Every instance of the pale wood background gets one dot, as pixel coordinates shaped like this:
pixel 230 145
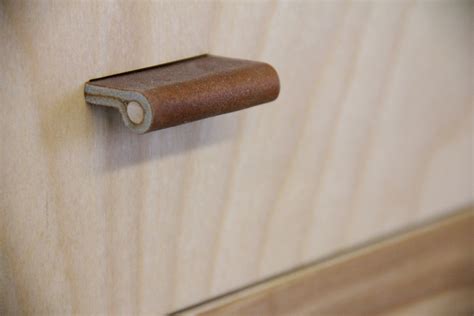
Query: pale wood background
pixel 372 132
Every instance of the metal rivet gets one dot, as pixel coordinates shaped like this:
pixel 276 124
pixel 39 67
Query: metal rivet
pixel 135 112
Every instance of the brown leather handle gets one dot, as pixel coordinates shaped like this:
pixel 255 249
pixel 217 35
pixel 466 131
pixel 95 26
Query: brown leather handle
pixel 184 91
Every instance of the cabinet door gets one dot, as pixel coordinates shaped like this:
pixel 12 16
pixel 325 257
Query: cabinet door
pixel 372 132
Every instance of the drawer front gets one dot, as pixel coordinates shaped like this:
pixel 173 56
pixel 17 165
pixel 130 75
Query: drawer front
pixel 371 133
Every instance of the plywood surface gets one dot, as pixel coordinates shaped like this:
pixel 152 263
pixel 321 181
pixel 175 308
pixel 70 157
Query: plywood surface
pixel 372 132
pixel 427 271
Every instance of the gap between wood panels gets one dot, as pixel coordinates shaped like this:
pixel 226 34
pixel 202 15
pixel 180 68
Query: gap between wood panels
pixel 426 269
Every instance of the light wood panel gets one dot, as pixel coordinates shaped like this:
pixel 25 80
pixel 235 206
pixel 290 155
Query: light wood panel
pixel 372 132
pixel 428 271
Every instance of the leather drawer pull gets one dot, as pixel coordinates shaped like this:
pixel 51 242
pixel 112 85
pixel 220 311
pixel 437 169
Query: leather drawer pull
pixel 183 91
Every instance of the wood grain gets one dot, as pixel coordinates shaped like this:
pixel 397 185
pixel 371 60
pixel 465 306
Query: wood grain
pixel 372 132
pixel 428 271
